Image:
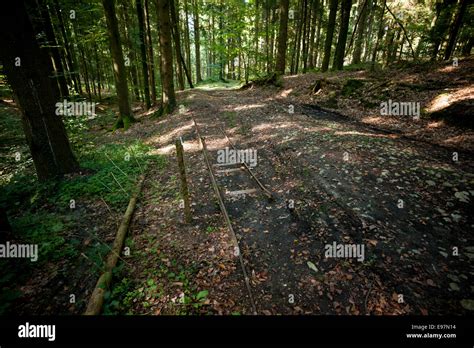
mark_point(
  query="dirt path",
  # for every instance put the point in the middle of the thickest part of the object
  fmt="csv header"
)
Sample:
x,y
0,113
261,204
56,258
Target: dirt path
x,y
407,204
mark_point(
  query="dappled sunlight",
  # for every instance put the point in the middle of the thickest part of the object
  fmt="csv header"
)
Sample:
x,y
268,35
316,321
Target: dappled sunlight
x,y
459,139
361,133
377,120
285,93
444,100
170,136
216,143
448,69
247,107
277,125
433,125
167,150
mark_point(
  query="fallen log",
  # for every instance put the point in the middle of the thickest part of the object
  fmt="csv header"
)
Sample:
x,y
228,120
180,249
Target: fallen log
x,y
96,301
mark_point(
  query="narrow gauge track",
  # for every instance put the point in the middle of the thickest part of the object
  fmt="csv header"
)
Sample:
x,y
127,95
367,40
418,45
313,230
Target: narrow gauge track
x,y
243,167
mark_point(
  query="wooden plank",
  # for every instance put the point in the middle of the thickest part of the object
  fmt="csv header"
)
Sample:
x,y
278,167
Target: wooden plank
x,y
240,192
230,170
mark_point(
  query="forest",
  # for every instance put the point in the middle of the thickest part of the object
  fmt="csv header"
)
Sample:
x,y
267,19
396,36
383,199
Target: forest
x,y
237,157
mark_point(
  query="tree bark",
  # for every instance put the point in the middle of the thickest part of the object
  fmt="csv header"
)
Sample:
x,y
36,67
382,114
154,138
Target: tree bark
x,y
141,34
282,37
179,55
441,25
356,56
151,59
380,34
32,86
329,34
177,43
455,29
67,47
342,37
187,43
197,43
125,115
168,97
54,49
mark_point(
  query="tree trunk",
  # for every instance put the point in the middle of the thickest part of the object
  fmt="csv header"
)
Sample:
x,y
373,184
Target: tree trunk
x,y
295,64
177,43
69,56
371,10
342,37
282,37
455,29
329,34
356,56
187,43
151,59
317,45
97,62
438,32
141,34
177,40
125,116
305,29
380,34
312,36
32,86
168,98
54,49
197,43
132,71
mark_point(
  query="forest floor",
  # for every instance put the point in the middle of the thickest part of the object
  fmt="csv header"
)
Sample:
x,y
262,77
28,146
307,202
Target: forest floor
x,y
345,171
346,179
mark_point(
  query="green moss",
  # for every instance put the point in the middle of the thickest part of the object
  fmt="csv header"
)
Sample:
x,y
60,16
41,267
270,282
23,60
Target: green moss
x,y
351,86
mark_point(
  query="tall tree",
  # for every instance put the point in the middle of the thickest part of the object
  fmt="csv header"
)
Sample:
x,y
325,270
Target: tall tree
x,y
54,48
67,47
342,38
187,43
282,37
28,68
453,34
329,34
179,55
168,96
356,56
151,59
312,36
131,50
438,32
177,43
125,114
380,33
141,34
197,43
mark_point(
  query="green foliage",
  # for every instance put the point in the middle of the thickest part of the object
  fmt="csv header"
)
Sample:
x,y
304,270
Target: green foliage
x,y
351,86
46,230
